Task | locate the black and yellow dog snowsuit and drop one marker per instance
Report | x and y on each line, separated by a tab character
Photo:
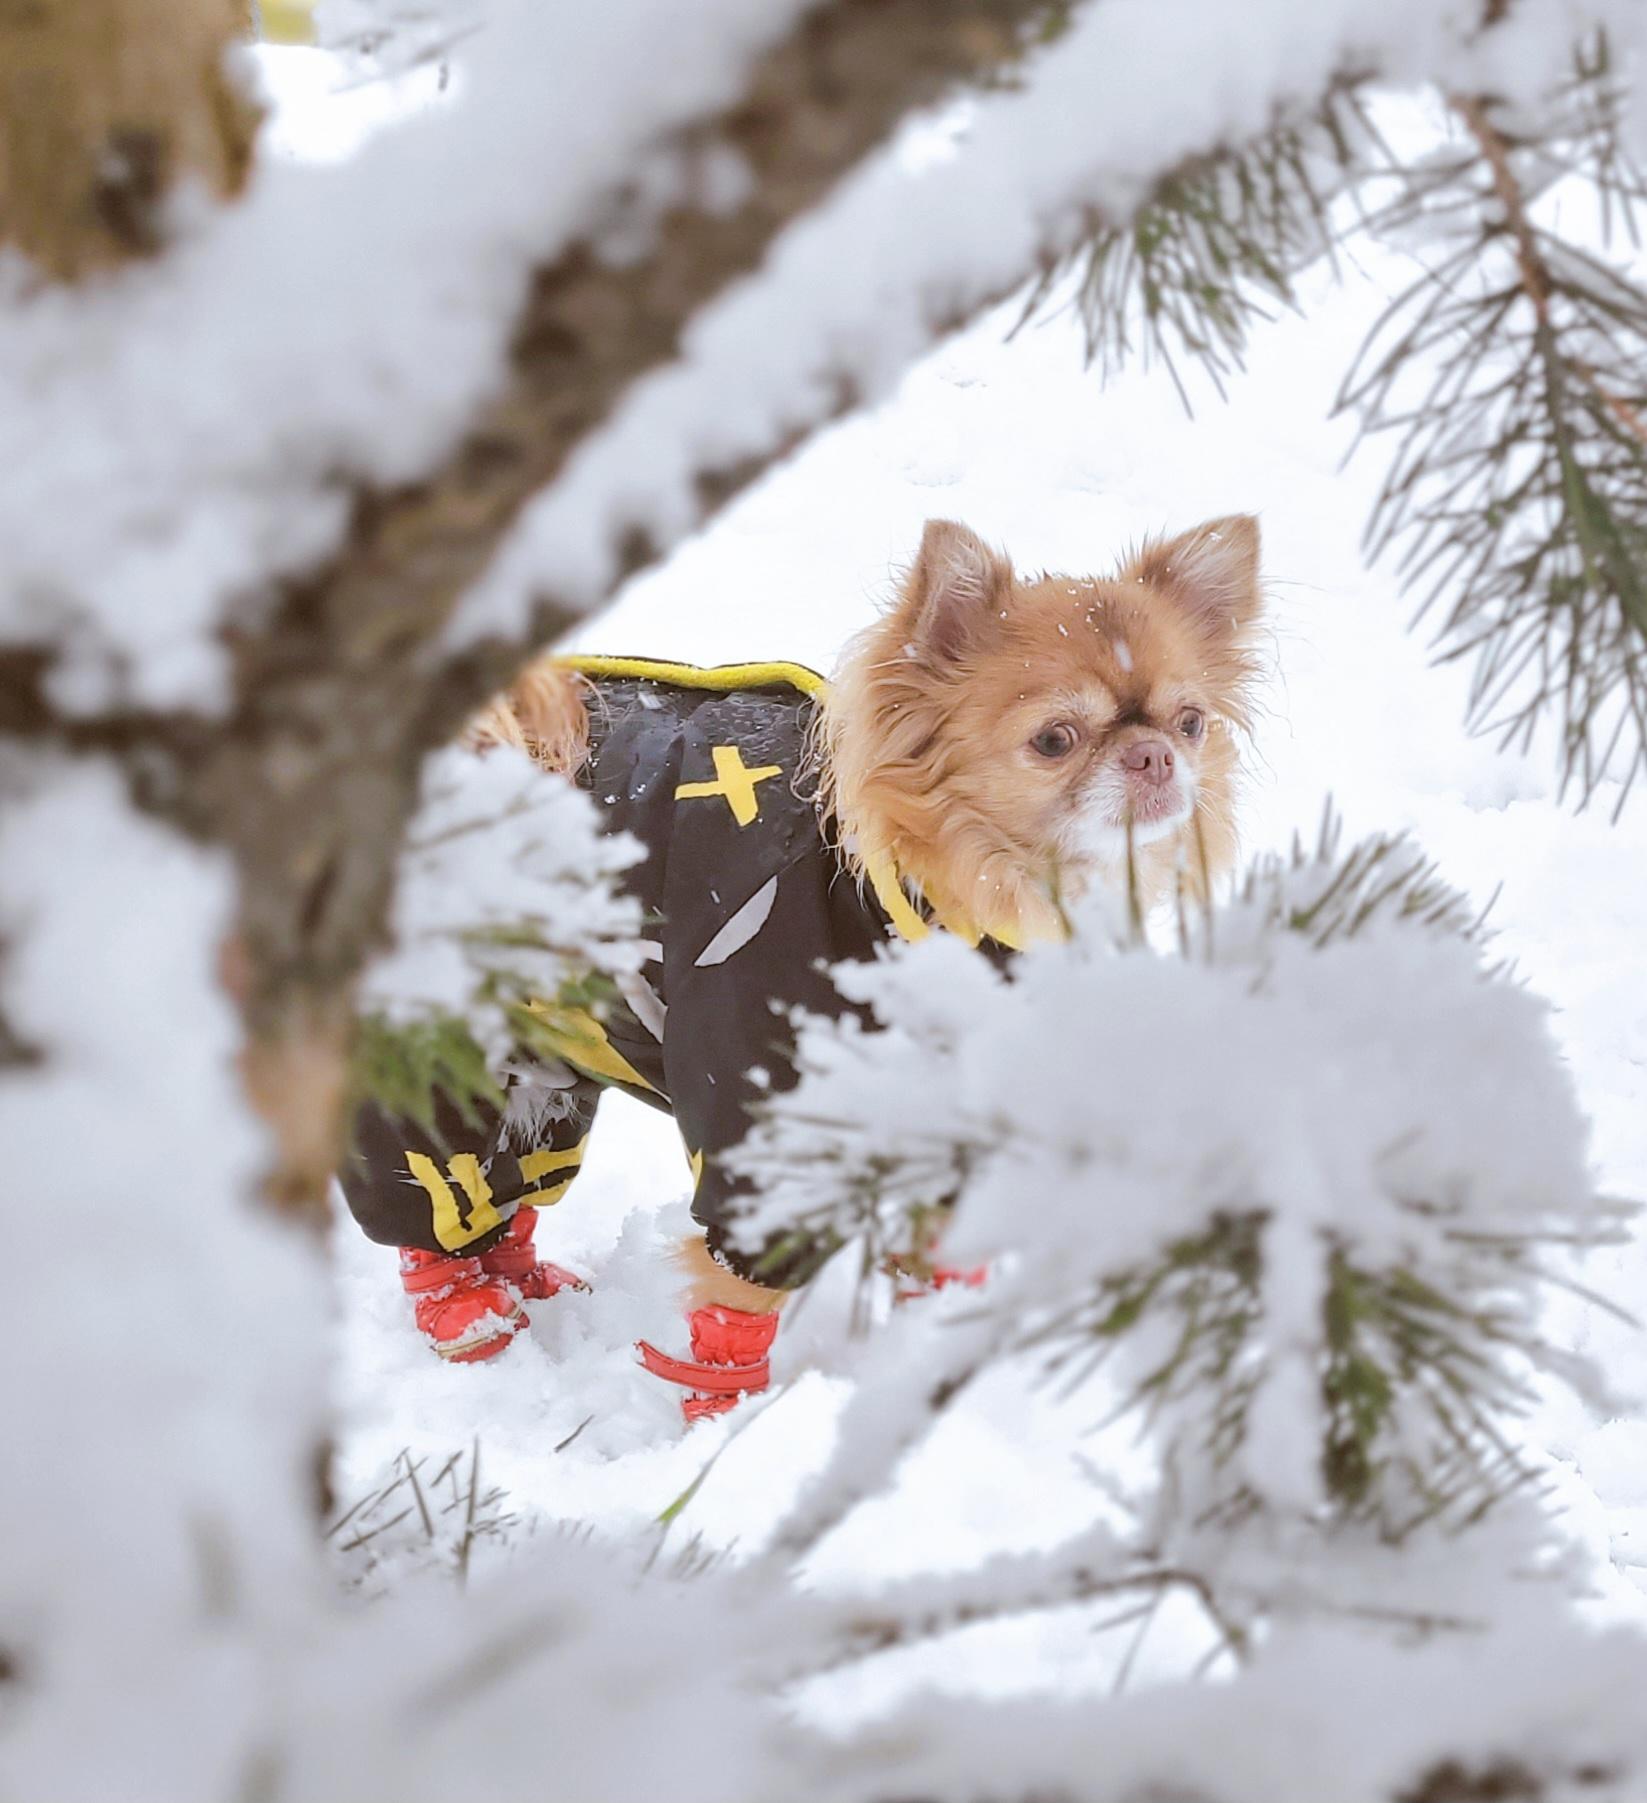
748	905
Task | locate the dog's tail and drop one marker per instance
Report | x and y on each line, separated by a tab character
545	714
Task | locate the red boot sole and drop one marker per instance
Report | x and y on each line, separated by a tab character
490	1347
487	1349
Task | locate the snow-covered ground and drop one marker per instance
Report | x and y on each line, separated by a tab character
1017	439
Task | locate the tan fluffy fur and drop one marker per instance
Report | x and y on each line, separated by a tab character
545	714
710	1285
923	750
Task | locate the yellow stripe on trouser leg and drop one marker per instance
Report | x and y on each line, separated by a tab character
446	1219
576	1036
546	1159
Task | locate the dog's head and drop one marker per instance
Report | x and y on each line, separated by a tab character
1004	738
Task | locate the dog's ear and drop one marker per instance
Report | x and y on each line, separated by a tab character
956	589
1211	571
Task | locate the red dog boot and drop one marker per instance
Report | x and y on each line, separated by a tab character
465	1314
729	1359
515	1260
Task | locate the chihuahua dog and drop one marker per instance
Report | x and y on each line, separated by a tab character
990	748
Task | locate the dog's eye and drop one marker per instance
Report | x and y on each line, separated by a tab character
1056	741
1190	722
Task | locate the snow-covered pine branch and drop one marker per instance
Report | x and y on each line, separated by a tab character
1296	1193
506	895
1538	1712
1516	492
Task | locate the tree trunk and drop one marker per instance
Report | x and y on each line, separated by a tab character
105	105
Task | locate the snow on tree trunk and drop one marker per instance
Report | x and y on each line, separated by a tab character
166	1403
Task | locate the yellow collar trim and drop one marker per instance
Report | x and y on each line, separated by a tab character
887	881
723	678
889	892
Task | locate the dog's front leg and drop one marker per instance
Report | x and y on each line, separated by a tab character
709	1284
732	1324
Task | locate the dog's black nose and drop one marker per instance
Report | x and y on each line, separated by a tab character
1150	760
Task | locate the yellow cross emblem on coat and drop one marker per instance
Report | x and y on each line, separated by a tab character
734	781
